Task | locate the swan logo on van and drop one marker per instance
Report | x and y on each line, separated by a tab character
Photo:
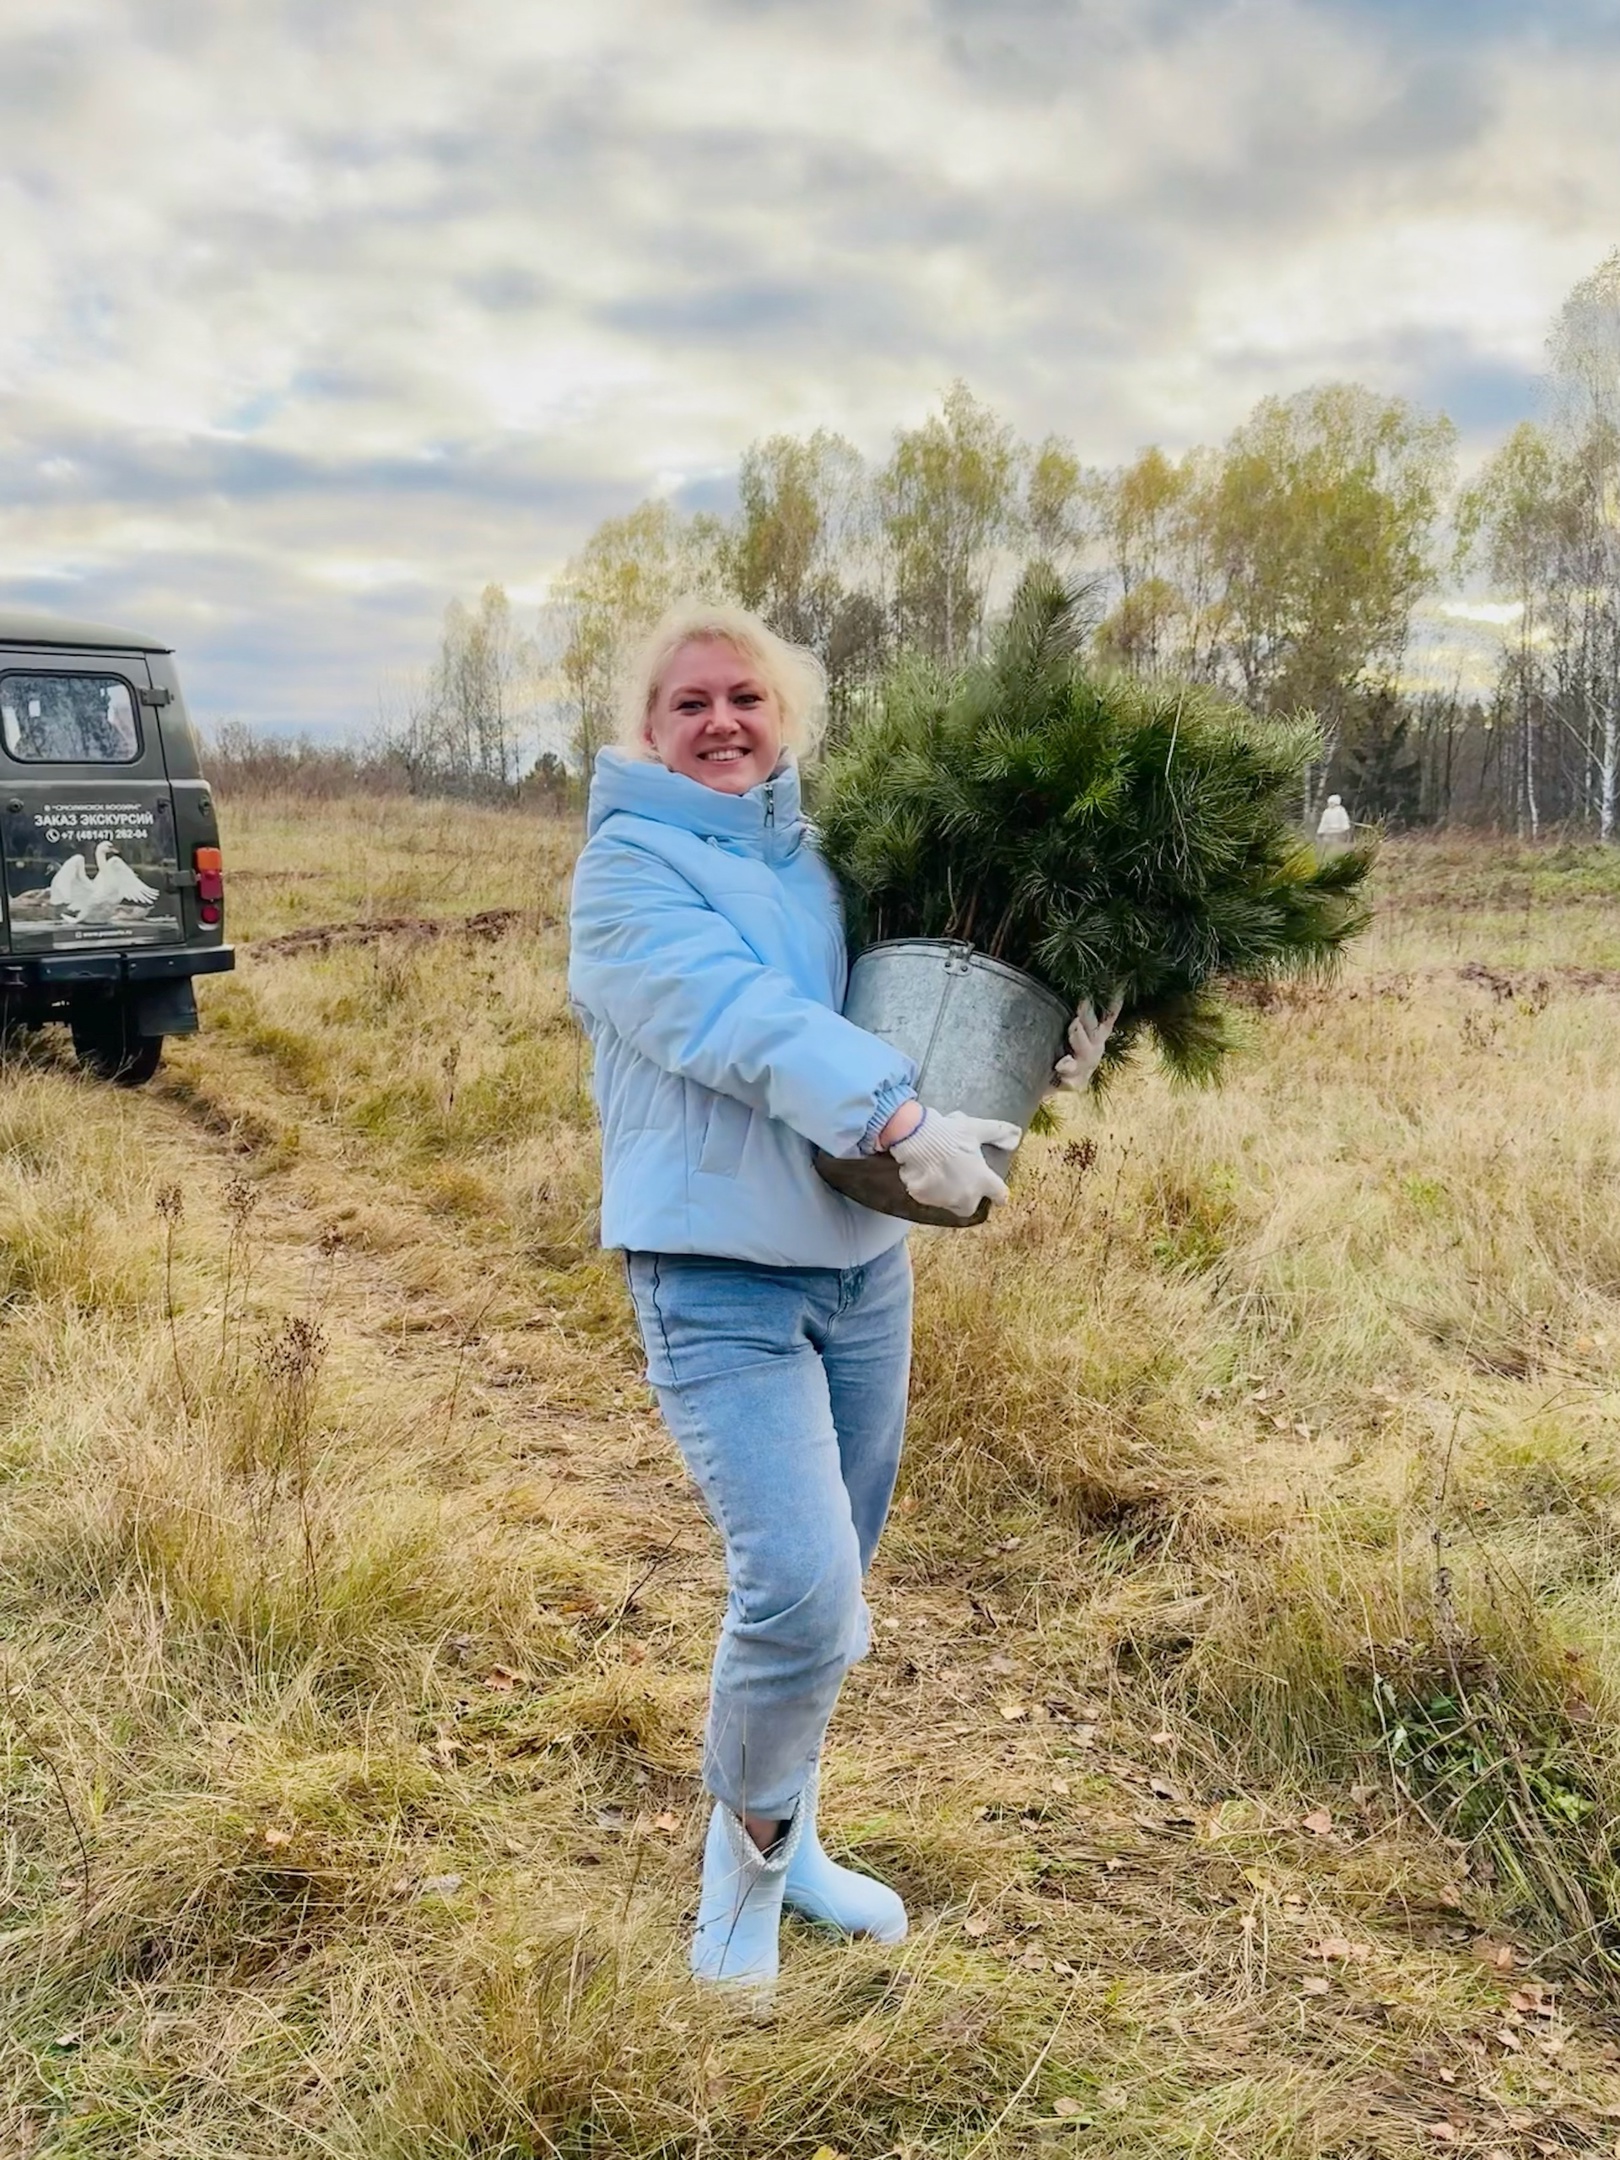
92	873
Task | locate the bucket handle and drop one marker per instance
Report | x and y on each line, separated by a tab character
958	961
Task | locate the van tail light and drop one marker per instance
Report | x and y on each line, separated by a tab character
210	868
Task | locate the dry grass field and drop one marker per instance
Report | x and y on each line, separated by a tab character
1242	1728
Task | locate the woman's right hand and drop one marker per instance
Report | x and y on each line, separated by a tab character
941	1163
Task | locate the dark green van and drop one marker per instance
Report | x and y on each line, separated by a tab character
113	895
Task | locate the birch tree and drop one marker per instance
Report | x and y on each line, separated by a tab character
804	553
1585	354
949	498
1512	519
1322	524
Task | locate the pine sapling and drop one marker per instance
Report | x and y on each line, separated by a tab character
1103	834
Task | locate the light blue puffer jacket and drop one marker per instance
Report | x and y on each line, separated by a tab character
707	959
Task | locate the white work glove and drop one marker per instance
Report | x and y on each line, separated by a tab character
940	1163
1088	1039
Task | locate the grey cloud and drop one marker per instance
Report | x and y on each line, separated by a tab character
1439	106
42	76
508	289
1556	23
1036	49
52	464
743	310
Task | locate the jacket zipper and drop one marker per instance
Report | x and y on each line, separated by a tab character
770	805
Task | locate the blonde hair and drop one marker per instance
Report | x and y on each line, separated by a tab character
797	676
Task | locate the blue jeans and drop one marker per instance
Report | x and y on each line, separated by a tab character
785	1390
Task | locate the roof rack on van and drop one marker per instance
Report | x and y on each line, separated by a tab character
58	631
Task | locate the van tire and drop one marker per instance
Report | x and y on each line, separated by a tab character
109	1047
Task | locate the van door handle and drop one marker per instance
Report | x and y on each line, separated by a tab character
157	697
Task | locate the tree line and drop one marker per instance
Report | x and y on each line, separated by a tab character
1286	566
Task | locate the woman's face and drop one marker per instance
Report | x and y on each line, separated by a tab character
715	719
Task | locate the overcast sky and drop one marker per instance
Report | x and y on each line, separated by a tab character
317	312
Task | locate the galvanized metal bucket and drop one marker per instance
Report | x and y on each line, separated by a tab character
984	1037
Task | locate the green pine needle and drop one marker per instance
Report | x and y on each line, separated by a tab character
1102	833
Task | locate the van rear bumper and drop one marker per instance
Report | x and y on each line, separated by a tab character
60	973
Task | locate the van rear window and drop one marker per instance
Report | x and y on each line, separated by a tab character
69	719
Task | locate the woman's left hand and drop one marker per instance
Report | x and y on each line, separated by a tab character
1088	1039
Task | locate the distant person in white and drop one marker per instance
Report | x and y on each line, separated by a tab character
1333	829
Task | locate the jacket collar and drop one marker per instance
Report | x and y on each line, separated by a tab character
767	813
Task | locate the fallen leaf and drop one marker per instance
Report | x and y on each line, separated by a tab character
976	1924
503	1679
1339	1946
1066	2105
669	1822
1447	2077
1060	1785
1062	1965
1013	1711
1509	2039
440	1886
1163	1789
1319	1822
826	2152
277	1837
1114	2096
1163	1739
1316	1987
1442	2133
1084	1736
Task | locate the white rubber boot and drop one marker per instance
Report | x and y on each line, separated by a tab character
836	1896
740	1904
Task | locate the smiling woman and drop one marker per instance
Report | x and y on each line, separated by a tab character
715	695
709	964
